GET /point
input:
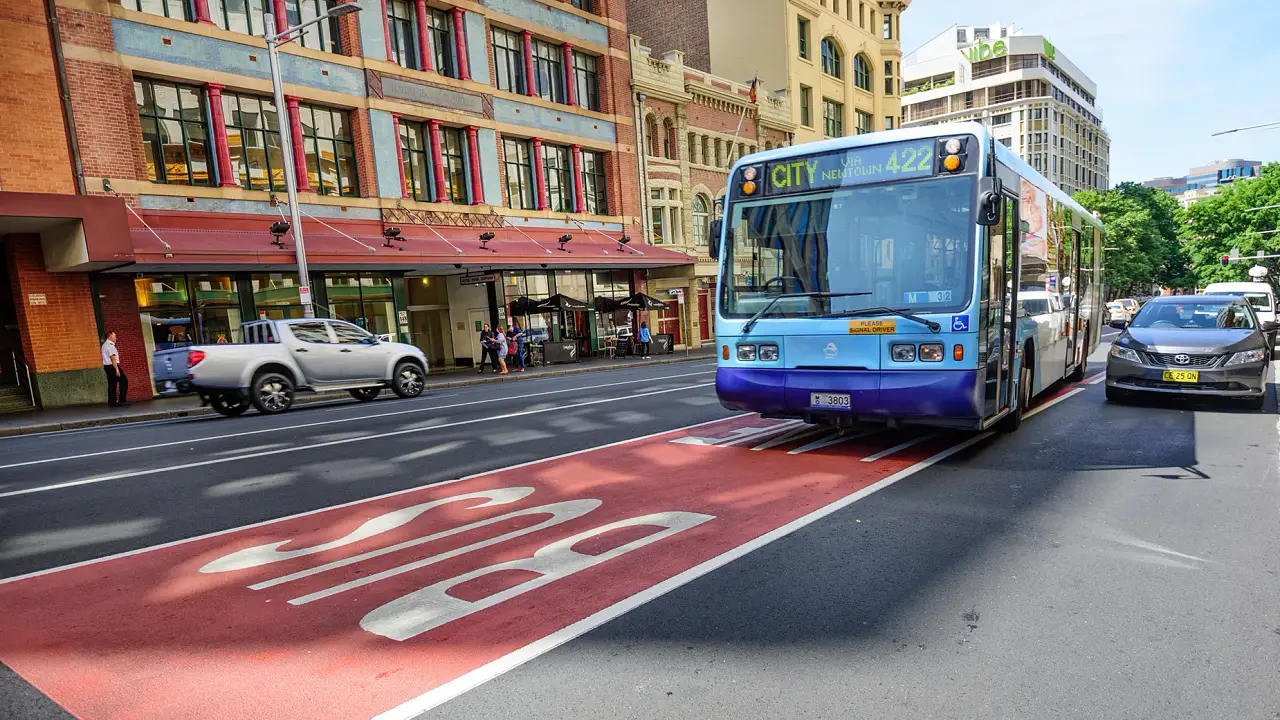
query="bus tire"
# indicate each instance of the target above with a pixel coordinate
(1078, 374)
(1013, 420)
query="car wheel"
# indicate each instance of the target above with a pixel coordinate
(365, 394)
(228, 405)
(409, 380)
(271, 393)
(1116, 395)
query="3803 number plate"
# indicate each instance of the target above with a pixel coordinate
(830, 401)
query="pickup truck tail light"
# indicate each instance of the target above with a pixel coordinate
(194, 357)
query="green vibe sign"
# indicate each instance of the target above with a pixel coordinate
(985, 51)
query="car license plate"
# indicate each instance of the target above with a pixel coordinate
(833, 401)
(1187, 376)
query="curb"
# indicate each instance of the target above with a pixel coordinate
(311, 398)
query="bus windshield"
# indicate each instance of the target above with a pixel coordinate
(908, 245)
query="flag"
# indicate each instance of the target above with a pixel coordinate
(754, 83)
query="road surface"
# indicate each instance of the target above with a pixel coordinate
(617, 544)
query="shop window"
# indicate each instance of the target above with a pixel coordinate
(216, 300)
(176, 9)
(165, 311)
(556, 166)
(253, 137)
(517, 164)
(594, 188)
(175, 140)
(402, 30)
(362, 299)
(508, 60)
(329, 150)
(275, 295)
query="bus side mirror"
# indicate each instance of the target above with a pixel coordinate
(713, 239)
(990, 201)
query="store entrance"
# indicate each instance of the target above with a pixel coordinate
(429, 324)
(10, 341)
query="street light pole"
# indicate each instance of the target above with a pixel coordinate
(274, 41)
(1250, 127)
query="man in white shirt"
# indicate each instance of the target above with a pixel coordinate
(117, 383)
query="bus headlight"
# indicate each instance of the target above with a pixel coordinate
(746, 352)
(768, 353)
(904, 353)
(931, 352)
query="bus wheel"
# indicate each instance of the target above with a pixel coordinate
(1013, 420)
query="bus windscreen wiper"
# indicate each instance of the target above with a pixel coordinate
(935, 327)
(746, 327)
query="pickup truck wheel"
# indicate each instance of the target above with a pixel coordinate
(365, 394)
(271, 393)
(409, 380)
(228, 405)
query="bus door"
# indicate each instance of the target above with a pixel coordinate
(999, 308)
(1070, 282)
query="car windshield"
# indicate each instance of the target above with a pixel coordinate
(1195, 315)
(907, 245)
(1260, 301)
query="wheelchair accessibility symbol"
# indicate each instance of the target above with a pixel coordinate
(959, 323)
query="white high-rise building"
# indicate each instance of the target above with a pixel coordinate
(1033, 98)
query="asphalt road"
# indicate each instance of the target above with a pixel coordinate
(1104, 562)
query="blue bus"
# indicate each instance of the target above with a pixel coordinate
(921, 276)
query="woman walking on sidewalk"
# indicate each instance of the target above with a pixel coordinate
(645, 338)
(516, 338)
(500, 350)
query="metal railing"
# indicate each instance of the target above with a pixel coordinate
(20, 371)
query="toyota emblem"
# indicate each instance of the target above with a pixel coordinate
(1182, 359)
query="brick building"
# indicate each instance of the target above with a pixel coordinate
(695, 126)
(508, 119)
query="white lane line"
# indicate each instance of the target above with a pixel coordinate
(901, 446)
(1100, 377)
(795, 434)
(829, 441)
(1055, 401)
(485, 673)
(358, 418)
(361, 501)
(744, 435)
(341, 441)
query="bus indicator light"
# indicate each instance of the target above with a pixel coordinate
(748, 188)
(724, 353)
(957, 353)
(952, 163)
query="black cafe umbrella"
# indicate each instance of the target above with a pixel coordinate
(640, 301)
(523, 306)
(607, 304)
(563, 303)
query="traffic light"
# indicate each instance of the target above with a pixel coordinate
(1226, 259)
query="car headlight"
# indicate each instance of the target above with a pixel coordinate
(768, 353)
(746, 352)
(904, 353)
(1247, 356)
(931, 352)
(1124, 353)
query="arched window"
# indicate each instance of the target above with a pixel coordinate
(831, 64)
(651, 136)
(862, 72)
(701, 219)
(669, 133)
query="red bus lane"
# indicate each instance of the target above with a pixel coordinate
(369, 608)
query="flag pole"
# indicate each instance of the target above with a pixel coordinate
(733, 147)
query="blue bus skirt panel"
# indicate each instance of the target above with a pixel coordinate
(919, 394)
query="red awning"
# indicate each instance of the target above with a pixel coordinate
(418, 245)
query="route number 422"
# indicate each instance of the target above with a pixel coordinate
(912, 160)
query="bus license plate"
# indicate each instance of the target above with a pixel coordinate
(832, 401)
(1188, 376)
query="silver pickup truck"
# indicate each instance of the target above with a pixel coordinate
(278, 357)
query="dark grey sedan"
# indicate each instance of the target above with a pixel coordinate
(1192, 345)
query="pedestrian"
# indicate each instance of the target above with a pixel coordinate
(645, 339)
(486, 348)
(117, 382)
(500, 350)
(516, 339)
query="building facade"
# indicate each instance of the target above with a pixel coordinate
(694, 126)
(1206, 180)
(1034, 99)
(838, 61)
(496, 136)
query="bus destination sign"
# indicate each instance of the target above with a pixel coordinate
(858, 166)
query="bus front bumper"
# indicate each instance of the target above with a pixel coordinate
(887, 394)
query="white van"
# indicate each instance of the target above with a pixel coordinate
(1259, 294)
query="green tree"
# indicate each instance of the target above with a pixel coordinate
(1142, 236)
(1217, 224)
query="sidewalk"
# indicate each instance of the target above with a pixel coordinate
(72, 418)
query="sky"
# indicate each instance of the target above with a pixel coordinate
(1169, 72)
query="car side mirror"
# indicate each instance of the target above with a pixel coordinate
(990, 201)
(1269, 326)
(713, 239)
